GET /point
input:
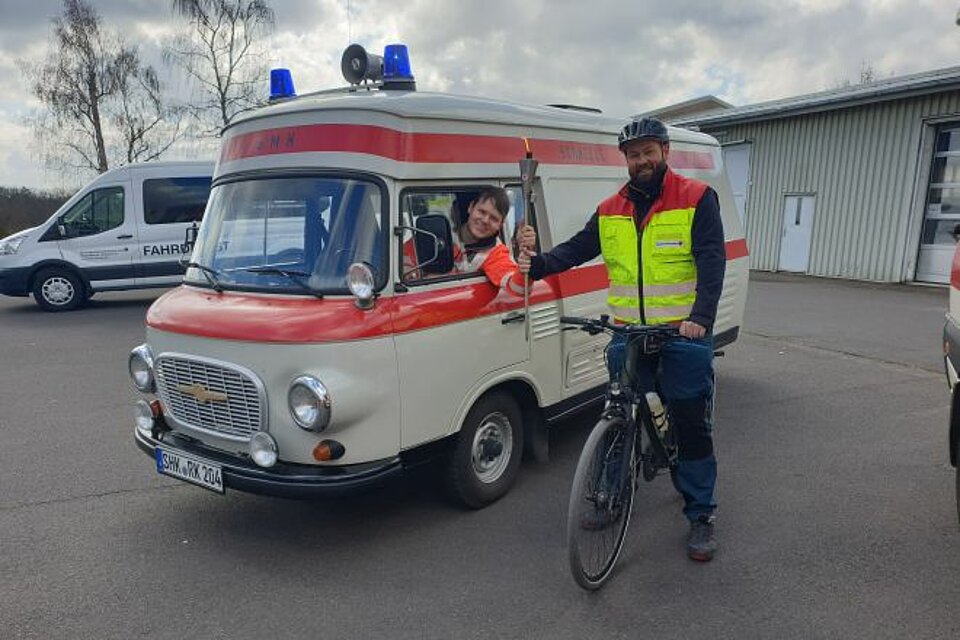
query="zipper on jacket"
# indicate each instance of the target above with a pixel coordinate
(643, 317)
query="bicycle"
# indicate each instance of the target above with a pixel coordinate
(601, 498)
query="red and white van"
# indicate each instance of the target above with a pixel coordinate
(951, 360)
(300, 357)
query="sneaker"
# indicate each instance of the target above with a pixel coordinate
(701, 543)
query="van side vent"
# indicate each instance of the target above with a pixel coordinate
(544, 322)
(585, 366)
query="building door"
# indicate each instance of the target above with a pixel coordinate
(942, 212)
(736, 158)
(797, 231)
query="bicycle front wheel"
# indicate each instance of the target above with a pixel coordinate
(600, 502)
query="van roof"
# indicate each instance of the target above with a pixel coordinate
(158, 164)
(443, 106)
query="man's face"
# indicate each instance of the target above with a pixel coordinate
(484, 219)
(645, 157)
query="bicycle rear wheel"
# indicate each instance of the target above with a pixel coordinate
(600, 502)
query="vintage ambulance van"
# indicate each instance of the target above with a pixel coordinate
(301, 357)
(127, 229)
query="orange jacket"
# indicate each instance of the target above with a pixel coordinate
(494, 261)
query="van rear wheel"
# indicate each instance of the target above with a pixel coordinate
(58, 290)
(486, 457)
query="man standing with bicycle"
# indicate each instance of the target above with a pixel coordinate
(661, 237)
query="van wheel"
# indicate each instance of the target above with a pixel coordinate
(58, 290)
(486, 457)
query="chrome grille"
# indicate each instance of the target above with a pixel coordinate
(237, 418)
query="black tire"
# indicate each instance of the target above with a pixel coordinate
(593, 550)
(59, 290)
(486, 457)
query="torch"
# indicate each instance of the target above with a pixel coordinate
(528, 172)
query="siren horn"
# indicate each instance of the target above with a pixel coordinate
(358, 65)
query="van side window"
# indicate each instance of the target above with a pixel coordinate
(98, 211)
(172, 200)
(451, 203)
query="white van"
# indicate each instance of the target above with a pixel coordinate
(303, 358)
(127, 229)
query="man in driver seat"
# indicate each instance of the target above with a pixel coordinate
(477, 245)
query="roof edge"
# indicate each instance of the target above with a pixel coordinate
(881, 91)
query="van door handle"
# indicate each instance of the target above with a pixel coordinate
(515, 316)
(125, 236)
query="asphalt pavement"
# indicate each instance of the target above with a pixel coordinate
(837, 509)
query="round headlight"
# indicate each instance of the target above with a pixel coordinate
(310, 403)
(140, 364)
(360, 282)
(143, 416)
(263, 449)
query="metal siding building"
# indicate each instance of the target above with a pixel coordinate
(838, 183)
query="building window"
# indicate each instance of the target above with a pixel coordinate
(941, 214)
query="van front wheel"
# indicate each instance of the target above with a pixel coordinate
(58, 290)
(486, 457)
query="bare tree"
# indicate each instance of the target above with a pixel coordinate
(148, 127)
(101, 105)
(867, 75)
(222, 55)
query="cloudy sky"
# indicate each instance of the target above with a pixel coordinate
(622, 56)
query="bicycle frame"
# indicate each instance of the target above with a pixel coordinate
(627, 401)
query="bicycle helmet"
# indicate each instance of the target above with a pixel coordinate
(644, 128)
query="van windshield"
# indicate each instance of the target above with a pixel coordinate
(293, 234)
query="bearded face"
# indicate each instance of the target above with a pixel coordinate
(645, 159)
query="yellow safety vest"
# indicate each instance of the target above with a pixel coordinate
(664, 246)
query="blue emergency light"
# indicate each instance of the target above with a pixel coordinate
(281, 84)
(396, 63)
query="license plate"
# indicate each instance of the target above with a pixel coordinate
(193, 470)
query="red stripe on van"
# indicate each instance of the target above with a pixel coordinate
(439, 148)
(737, 249)
(265, 318)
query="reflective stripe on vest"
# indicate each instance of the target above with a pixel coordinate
(669, 273)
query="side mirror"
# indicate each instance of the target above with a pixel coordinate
(433, 240)
(956, 232)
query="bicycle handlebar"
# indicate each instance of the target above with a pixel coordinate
(593, 326)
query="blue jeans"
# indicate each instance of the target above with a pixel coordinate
(684, 369)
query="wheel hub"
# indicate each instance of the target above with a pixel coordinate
(58, 290)
(492, 446)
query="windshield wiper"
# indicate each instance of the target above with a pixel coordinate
(291, 275)
(211, 274)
